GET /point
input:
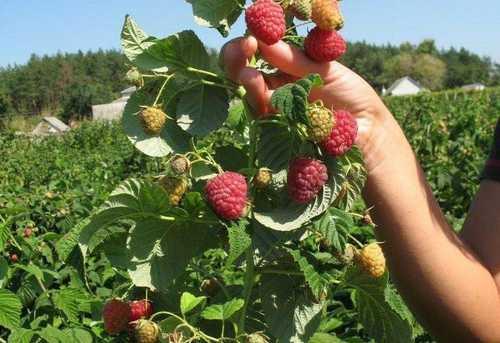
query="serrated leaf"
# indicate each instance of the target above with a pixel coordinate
(179, 245)
(4, 270)
(52, 335)
(275, 147)
(202, 109)
(290, 315)
(334, 226)
(171, 139)
(380, 321)
(239, 241)
(21, 335)
(291, 216)
(69, 241)
(11, 309)
(67, 300)
(292, 99)
(32, 270)
(132, 200)
(77, 335)
(181, 51)
(224, 311)
(398, 305)
(4, 235)
(189, 302)
(136, 44)
(321, 337)
(352, 178)
(219, 14)
(317, 284)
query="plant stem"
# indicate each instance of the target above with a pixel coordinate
(162, 88)
(247, 290)
(215, 84)
(281, 272)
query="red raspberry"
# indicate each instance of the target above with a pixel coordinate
(14, 258)
(227, 194)
(306, 178)
(116, 314)
(140, 309)
(27, 232)
(266, 20)
(343, 134)
(324, 46)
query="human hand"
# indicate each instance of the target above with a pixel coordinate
(342, 88)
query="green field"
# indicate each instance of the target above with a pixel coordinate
(52, 185)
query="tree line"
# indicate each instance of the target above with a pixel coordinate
(434, 68)
(68, 84)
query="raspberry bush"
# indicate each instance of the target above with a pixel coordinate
(243, 231)
(243, 236)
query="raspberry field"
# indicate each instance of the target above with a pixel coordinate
(206, 216)
(55, 184)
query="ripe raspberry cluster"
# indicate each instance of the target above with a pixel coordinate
(119, 315)
(266, 21)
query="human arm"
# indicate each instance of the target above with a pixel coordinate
(447, 281)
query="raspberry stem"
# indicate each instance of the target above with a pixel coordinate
(162, 88)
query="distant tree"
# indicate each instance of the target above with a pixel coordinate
(429, 70)
(80, 98)
(427, 46)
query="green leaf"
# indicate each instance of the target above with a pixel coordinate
(169, 325)
(69, 241)
(292, 99)
(317, 284)
(32, 270)
(351, 177)
(21, 335)
(53, 335)
(397, 304)
(275, 147)
(178, 246)
(189, 302)
(68, 300)
(379, 319)
(219, 14)
(4, 270)
(171, 139)
(324, 338)
(202, 109)
(334, 226)
(4, 235)
(181, 51)
(239, 241)
(11, 310)
(133, 200)
(77, 335)
(224, 311)
(136, 44)
(290, 315)
(291, 216)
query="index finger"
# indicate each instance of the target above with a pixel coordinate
(236, 54)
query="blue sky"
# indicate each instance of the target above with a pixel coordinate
(49, 26)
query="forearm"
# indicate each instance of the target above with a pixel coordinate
(451, 292)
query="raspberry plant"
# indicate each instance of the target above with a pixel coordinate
(273, 254)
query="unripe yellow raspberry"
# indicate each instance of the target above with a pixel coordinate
(152, 120)
(321, 120)
(326, 15)
(175, 187)
(263, 178)
(371, 259)
(147, 332)
(302, 9)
